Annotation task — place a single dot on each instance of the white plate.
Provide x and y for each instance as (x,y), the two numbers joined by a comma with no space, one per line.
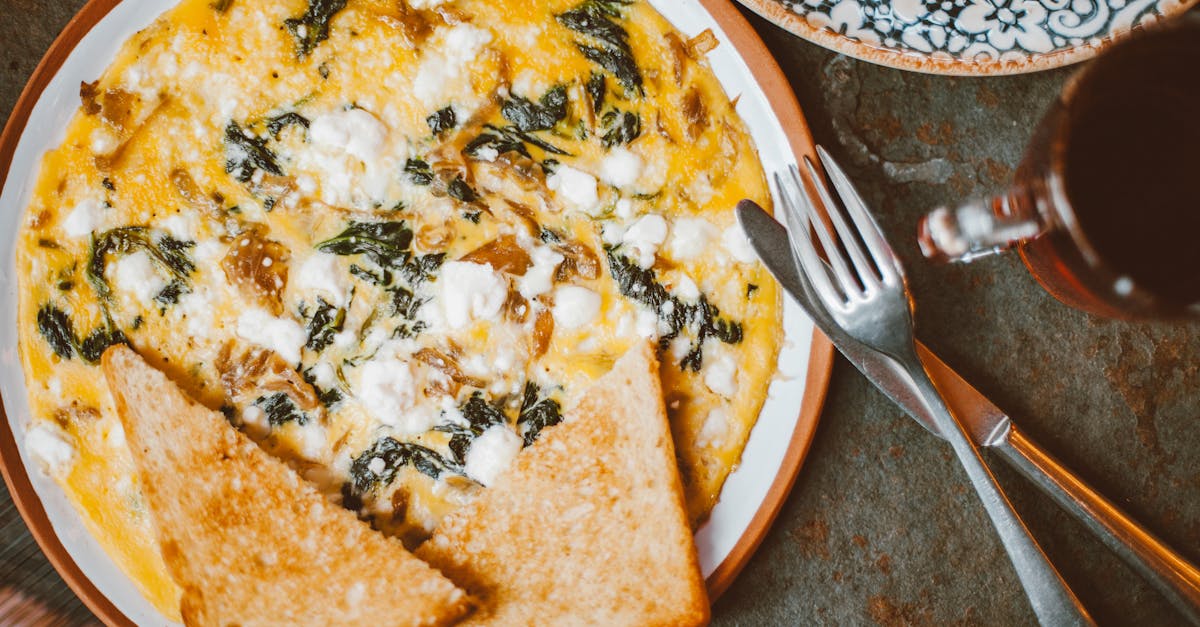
(753,493)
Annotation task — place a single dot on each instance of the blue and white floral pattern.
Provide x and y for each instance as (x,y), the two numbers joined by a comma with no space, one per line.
(980,30)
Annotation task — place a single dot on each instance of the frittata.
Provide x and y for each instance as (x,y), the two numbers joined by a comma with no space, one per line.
(391,240)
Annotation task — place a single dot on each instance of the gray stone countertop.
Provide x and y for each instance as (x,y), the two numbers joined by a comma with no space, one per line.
(882,527)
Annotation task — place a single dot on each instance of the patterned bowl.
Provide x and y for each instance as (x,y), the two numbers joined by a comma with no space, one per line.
(966,37)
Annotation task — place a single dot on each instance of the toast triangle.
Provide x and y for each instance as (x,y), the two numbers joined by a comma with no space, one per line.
(588,527)
(248,540)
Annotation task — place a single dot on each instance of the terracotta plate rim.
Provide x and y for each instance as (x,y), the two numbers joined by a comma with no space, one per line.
(774,85)
(776,13)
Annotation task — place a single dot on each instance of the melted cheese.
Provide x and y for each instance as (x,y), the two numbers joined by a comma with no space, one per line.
(227,175)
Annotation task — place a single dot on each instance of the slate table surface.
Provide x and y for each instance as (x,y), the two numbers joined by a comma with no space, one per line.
(882,527)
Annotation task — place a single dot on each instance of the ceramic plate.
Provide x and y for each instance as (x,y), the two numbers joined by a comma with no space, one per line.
(753,494)
(966,37)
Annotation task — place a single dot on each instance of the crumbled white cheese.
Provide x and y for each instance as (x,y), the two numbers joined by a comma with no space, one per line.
(575,306)
(624,208)
(136,274)
(576,187)
(387,390)
(425,4)
(103,142)
(647,324)
(539,279)
(492,453)
(445,62)
(348,155)
(470,291)
(612,233)
(114,435)
(376,466)
(738,246)
(487,153)
(321,273)
(644,237)
(196,308)
(178,226)
(686,288)
(714,430)
(355,131)
(51,447)
(255,420)
(690,238)
(621,168)
(720,375)
(323,375)
(282,335)
(87,216)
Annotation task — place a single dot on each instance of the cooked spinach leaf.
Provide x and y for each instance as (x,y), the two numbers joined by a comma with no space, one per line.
(418,172)
(597,88)
(92,347)
(442,121)
(167,252)
(481,414)
(596,19)
(276,124)
(701,317)
(245,153)
(509,139)
(281,409)
(381,278)
(621,127)
(394,455)
(312,28)
(328,397)
(385,243)
(326,322)
(405,305)
(221,6)
(55,326)
(170,294)
(460,190)
(529,116)
(537,413)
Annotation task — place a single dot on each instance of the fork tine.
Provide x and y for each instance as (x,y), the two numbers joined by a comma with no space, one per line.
(858,256)
(872,236)
(803,251)
(841,271)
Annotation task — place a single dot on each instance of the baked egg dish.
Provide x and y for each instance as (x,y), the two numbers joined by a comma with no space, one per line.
(392,240)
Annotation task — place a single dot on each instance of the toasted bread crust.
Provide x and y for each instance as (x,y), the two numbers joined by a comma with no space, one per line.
(248,540)
(589,526)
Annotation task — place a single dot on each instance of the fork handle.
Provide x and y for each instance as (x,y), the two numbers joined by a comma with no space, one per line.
(1171,574)
(1051,598)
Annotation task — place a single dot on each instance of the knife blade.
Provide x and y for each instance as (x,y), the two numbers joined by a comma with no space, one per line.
(1171,574)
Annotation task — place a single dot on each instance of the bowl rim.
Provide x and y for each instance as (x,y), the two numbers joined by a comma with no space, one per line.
(776,13)
(782,100)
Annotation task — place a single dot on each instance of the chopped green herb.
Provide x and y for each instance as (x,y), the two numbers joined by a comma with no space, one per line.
(171,293)
(419,172)
(702,317)
(595,19)
(56,328)
(472,216)
(442,121)
(281,409)
(385,243)
(276,124)
(326,322)
(621,127)
(460,190)
(537,413)
(312,28)
(528,116)
(246,153)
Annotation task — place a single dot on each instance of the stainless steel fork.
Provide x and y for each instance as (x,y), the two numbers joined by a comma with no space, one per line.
(862,287)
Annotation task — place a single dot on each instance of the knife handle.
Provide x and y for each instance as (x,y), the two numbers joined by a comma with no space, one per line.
(1166,570)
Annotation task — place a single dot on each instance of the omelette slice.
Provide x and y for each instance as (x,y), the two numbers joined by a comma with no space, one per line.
(248,540)
(588,527)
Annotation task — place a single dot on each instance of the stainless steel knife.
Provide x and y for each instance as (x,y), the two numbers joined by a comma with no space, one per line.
(989,426)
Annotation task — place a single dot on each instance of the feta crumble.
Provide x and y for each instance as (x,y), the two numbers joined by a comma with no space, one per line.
(492,453)
(51,447)
(387,390)
(720,375)
(469,292)
(86,217)
(576,187)
(282,335)
(644,237)
(136,274)
(539,279)
(621,168)
(321,273)
(738,246)
(575,306)
(690,238)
